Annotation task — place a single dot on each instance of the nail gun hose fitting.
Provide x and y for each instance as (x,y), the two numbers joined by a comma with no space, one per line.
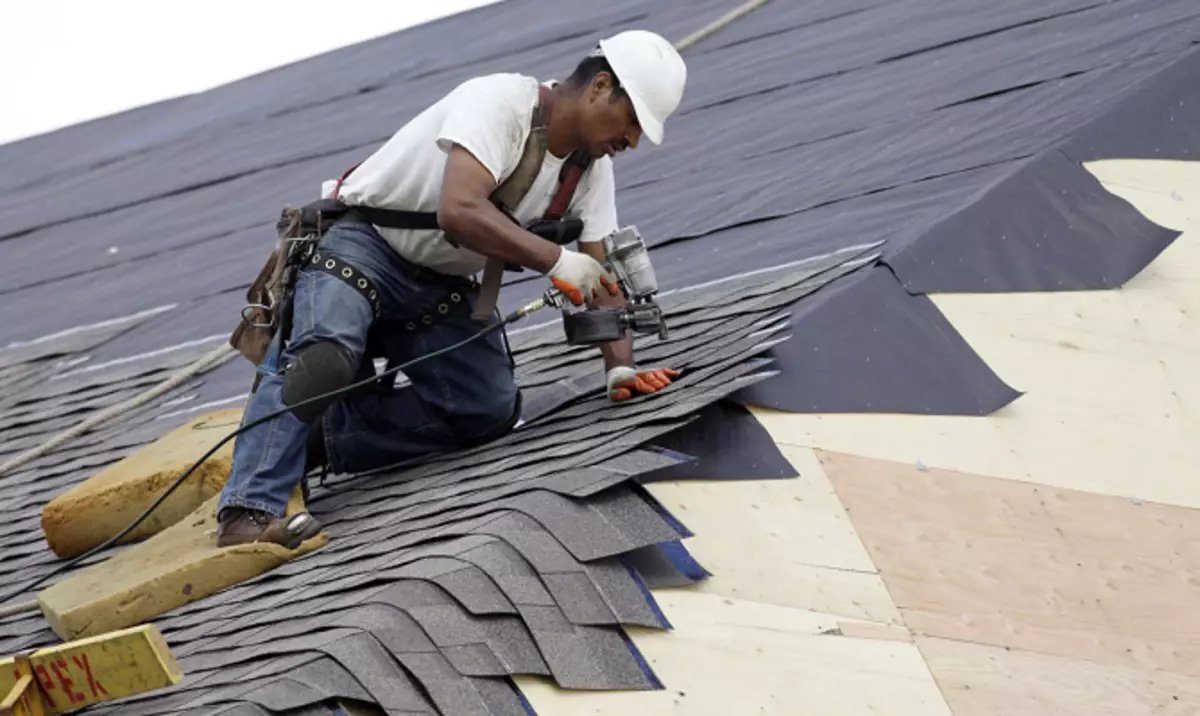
(510,318)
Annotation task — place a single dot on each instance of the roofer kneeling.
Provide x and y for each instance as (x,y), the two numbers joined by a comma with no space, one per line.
(393,275)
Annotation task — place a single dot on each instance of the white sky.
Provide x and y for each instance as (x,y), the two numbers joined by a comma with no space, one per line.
(67,61)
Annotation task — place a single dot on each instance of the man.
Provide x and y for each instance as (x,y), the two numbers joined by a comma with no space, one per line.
(403,293)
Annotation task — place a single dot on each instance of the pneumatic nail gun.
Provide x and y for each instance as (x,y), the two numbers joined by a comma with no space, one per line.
(629,260)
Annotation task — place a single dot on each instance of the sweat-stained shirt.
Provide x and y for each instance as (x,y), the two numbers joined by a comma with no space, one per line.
(489,116)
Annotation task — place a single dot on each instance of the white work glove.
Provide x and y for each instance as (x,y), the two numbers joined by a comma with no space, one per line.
(623,381)
(580,277)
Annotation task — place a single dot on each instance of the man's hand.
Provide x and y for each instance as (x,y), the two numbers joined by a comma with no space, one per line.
(581,277)
(623,381)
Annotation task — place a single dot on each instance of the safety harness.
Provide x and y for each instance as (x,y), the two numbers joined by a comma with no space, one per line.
(267,311)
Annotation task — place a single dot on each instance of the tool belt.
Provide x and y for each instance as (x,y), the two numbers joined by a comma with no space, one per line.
(267,311)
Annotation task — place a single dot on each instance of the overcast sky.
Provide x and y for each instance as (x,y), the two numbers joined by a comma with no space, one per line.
(66,61)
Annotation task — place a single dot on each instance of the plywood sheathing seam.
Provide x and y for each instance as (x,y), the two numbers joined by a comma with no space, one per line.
(1071,574)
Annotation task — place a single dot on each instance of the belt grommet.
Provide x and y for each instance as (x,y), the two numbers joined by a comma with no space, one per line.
(316,259)
(330,264)
(362,283)
(347,272)
(455,297)
(442,308)
(372,295)
(427,319)
(410,326)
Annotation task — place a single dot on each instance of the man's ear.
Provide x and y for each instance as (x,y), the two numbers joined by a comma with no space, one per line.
(601,85)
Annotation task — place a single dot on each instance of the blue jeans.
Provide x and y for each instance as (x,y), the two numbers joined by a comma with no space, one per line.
(462,398)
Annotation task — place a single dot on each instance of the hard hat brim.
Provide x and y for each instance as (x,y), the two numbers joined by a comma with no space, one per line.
(651,126)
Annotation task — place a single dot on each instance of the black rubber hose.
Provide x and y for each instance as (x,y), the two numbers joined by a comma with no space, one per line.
(514,316)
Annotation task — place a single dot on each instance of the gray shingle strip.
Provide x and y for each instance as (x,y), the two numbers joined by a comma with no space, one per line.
(729,331)
(400,635)
(475,655)
(548,556)
(39,487)
(77,342)
(575,482)
(598,413)
(315,605)
(687,332)
(556,431)
(590,594)
(358,652)
(684,308)
(24,525)
(47,393)
(582,657)
(321,677)
(457,486)
(277,589)
(157,366)
(505,638)
(503,697)
(678,352)
(576,524)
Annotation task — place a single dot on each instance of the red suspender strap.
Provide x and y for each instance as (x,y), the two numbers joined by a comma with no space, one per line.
(568,180)
(338,187)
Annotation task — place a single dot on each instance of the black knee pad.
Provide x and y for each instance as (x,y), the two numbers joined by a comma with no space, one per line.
(317,369)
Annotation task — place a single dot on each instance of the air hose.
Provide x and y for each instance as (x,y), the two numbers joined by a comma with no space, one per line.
(516,315)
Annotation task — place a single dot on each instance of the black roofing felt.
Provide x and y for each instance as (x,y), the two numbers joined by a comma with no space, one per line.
(832,162)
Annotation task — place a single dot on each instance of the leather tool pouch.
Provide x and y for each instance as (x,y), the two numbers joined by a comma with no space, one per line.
(269,295)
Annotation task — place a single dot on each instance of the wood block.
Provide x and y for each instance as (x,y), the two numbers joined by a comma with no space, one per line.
(176,566)
(1025,566)
(980,680)
(100,507)
(101,668)
(729,656)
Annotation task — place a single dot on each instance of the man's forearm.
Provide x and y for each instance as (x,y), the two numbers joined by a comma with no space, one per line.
(618,352)
(481,227)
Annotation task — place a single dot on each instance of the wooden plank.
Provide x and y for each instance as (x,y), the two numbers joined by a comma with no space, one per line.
(980,680)
(178,565)
(100,668)
(795,545)
(1012,564)
(104,504)
(728,656)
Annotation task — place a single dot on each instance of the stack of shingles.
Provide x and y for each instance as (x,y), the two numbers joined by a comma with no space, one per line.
(524,556)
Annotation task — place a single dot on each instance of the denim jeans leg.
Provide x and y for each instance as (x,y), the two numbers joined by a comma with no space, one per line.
(268,459)
(458,399)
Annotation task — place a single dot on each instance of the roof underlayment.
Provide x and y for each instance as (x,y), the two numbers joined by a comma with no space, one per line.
(835,170)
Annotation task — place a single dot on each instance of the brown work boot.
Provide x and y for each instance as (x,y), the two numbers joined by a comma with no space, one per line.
(237,525)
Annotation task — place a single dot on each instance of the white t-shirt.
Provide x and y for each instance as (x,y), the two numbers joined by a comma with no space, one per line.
(489,116)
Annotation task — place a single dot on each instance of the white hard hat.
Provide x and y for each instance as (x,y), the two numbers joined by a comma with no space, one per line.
(652,74)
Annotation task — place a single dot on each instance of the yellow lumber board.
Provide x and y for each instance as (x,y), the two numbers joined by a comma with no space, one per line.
(795,545)
(100,668)
(104,504)
(176,566)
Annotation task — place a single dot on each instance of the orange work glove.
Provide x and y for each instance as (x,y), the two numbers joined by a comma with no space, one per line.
(623,382)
